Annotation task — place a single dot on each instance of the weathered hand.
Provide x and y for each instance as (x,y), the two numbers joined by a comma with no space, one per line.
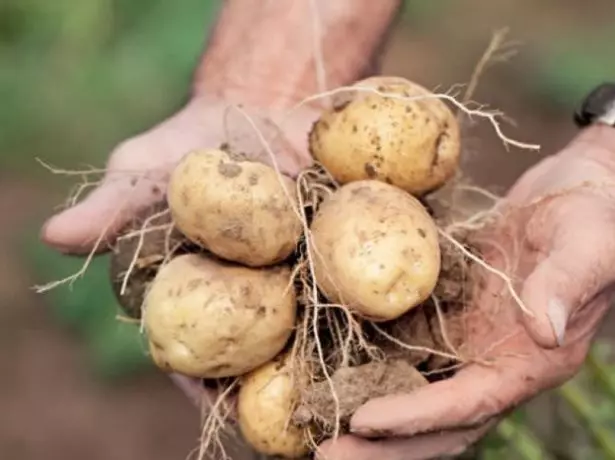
(558,233)
(138,170)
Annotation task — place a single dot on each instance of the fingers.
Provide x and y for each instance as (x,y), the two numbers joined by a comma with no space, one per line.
(580,265)
(95,220)
(422,447)
(475,395)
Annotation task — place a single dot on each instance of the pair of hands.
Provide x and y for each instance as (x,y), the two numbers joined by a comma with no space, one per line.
(558,227)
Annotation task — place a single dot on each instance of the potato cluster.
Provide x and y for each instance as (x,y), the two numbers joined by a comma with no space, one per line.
(228,306)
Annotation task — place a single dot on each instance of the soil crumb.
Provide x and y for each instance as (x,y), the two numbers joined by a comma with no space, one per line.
(354,386)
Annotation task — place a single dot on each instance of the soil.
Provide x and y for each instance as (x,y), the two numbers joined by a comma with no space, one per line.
(354,386)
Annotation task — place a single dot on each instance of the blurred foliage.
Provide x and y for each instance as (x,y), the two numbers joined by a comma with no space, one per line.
(571,66)
(78,77)
(75,79)
(88,308)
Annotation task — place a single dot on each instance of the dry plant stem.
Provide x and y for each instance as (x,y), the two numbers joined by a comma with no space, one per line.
(490,55)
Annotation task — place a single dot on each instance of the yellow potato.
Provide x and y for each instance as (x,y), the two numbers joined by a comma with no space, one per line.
(265,404)
(375,249)
(209,319)
(239,210)
(413,144)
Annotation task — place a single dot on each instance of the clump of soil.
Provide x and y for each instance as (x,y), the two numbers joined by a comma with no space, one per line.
(354,386)
(146,243)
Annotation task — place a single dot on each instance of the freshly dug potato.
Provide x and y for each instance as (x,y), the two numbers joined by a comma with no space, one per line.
(209,319)
(265,406)
(242,211)
(375,249)
(413,144)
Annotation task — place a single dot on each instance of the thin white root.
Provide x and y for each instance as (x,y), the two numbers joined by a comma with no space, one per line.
(497,51)
(415,348)
(74,277)
(214,422)
(489,268)
(442,323)
(137,251)
(491,116)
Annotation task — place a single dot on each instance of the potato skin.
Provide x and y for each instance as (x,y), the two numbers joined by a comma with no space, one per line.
(413,144)
(375,249)
(238,210)
(207,318)
(265,402)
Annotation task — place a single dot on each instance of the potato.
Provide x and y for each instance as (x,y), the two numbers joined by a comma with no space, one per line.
(209,319)
(375,249)
(242,211)
(265,404)
(413,144)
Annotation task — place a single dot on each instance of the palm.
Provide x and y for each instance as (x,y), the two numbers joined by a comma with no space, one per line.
(556,242)
(138,169)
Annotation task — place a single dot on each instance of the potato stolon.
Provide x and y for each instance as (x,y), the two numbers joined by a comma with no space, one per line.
(210,319)
(413,144)
(242,211)
(375,249)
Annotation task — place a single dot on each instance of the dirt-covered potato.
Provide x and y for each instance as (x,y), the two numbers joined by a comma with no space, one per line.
(413,144)
(208,318)
(265,405)
(375,249)
(150,246)
(240,210)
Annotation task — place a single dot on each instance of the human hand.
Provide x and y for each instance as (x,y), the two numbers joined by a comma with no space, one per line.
(139,168)
(558,233)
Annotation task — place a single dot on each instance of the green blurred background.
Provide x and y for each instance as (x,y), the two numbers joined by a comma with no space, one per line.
(77,77)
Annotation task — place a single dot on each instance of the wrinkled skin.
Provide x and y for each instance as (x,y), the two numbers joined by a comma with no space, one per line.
(565,255)
(565,249)
(138,171)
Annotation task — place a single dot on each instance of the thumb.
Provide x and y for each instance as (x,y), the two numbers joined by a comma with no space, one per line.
(93,223)
(570,277)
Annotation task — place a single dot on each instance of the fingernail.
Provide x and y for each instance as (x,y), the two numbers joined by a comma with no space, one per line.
(558,317)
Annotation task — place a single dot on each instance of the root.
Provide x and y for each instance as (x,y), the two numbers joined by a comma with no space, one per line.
(211,445)
(507,279)
(492,116)
(497,51)
(75,276)
(137,252)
